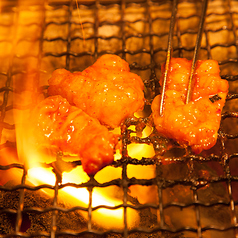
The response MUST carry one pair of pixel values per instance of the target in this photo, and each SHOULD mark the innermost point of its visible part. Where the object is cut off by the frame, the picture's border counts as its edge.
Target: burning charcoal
(37, 221)
(10, 200)
(5, 225)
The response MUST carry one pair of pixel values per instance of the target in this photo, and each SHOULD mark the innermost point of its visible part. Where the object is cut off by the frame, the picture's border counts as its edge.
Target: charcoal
(37, 221)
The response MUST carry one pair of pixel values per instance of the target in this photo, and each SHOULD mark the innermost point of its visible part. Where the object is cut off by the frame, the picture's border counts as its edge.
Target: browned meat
(194, 124)
(107, 90)
(57, 123)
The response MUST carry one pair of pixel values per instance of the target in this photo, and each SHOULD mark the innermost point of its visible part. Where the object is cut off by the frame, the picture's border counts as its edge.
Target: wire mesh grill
(194, 196)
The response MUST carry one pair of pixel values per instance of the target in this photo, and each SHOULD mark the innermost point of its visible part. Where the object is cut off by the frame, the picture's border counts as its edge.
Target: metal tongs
(195, 55)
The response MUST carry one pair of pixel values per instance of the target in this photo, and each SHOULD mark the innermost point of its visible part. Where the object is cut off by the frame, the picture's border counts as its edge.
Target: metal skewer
(196, 50)
(168, 57)
(195, 55)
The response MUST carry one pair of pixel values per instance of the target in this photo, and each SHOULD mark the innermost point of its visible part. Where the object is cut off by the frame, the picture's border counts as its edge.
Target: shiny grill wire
(194, 195)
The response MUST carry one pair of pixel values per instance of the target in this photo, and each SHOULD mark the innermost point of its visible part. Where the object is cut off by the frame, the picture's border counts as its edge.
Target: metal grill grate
(194, 196)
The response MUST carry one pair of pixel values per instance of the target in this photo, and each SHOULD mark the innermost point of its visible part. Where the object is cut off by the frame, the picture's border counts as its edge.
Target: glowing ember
(108, 218)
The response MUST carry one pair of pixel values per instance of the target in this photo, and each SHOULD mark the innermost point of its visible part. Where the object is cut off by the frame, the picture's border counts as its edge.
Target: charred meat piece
(194, 124)
(68, 128)
(107, 90)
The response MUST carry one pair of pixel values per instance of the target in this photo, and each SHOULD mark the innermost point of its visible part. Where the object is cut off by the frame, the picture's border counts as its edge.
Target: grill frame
(193, 181)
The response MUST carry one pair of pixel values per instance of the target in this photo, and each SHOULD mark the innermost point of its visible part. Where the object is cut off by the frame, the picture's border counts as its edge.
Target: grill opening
(178, 194)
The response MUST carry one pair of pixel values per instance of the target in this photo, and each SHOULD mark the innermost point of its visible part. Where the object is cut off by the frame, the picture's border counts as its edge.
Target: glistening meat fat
(107, 90)
(196, 123)
(80, 106)
(69, 129)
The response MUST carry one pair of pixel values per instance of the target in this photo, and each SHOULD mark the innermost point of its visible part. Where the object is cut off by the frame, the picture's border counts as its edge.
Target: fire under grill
(172, 194)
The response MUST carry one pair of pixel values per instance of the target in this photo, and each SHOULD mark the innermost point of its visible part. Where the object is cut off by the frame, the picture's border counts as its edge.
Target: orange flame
(107, 218)
(31, 156)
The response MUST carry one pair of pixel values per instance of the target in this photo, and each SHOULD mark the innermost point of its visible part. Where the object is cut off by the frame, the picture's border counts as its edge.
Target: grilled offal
(71, 130)
(196, 123)
(107, 90)
(80, 106)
